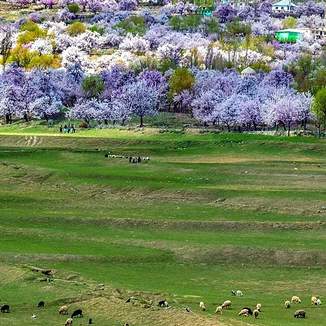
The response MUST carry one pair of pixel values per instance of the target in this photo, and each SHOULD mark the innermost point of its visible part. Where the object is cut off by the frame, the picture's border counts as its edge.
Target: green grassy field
(207, 214)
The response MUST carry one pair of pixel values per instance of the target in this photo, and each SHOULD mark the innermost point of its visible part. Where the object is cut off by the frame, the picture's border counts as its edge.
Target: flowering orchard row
(224, 98)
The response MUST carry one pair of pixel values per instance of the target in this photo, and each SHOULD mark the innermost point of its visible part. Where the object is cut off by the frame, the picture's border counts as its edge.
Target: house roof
(248, 71)
(284, 3)
(295, 30)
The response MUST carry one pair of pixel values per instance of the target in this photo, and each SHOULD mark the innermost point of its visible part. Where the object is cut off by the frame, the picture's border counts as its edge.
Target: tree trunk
(8, 118)
(141, 121)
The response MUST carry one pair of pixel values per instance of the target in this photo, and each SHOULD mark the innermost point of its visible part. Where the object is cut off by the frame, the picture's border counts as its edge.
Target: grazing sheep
(33, 316)
(318, 302)
(163, 304)
(219, 310)
(249, 310)
(63, 310)
(41, 304)
(226, 304)
(69, 322)
(287, 304)
(90, 321)
(129, 299)
(258, 307)
(295, 299)
(239, 293)
(300, 314)
(244, 312)
(77, 313)
(5, 308)
(202, 306)
(256, 313)
(313, 300)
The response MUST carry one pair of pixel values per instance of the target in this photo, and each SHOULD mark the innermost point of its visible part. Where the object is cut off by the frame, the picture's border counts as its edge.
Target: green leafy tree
(289, 22)
(212, 26)
(93, 86)
(302, 71)
(318, 79)
(181, 80)
(135, 25)
(73, 8)
(30, 31)
(76, 28)
(319, 109)
(175, 23)
(238, 29)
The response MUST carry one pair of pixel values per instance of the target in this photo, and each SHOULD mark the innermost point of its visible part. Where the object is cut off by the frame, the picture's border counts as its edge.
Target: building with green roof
(289, 35)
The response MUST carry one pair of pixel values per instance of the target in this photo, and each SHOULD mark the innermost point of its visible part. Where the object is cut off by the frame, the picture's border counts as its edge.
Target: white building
(285, 6)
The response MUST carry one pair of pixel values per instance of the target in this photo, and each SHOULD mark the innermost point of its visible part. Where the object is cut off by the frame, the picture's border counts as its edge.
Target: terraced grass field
(207, 214)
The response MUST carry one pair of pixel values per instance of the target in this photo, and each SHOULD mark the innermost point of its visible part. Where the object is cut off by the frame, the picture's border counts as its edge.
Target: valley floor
(207, 214)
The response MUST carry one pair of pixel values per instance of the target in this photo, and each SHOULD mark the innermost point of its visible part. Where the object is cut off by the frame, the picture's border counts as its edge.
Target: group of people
(134, 159)
(67, 129)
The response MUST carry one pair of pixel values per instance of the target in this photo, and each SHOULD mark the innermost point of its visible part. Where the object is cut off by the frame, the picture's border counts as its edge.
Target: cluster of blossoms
(171, 33)
(248, 102)
(113, 96)
(132, 53)
(225, 98)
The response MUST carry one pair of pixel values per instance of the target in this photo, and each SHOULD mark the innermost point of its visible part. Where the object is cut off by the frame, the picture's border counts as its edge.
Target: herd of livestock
(245, 311)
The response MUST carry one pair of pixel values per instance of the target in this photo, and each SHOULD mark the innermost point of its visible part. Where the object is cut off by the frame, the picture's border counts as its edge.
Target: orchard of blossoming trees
(109, 61)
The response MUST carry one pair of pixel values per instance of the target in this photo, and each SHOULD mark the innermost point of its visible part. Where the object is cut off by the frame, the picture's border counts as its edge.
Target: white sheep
(244, 312)
(287, 304)
(295, 299)
(258, 307)
(69, 322)
(318, 302)
(239, 293)
(219, 310)
(226, 304)
(202, 306)
(256, 313)
(63, 310)
(313, 300)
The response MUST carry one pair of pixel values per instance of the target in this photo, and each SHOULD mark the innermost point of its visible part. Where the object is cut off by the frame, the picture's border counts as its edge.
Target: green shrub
(190, 22)
(73, 8)
(133, 24)
(97, 29)
(93, 86)
(30, 31)
(76, 28)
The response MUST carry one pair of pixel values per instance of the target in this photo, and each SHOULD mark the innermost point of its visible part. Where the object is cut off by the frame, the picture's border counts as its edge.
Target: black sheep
(163, 303)
(5, 308)
(300, 314)
(41, 304)
(90, 321)
(77, 313)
